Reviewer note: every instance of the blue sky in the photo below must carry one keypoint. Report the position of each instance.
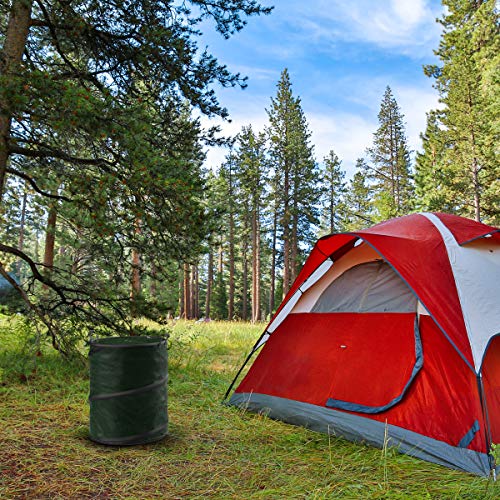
(341, 55)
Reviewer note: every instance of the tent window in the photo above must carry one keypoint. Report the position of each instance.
(367, 287)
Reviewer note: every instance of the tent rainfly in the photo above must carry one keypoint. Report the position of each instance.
(391, 335)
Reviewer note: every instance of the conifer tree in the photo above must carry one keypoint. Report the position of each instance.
(431, 175)
(334, 190)
(251, 171)
(389, 170)
(359, 201)
(295, 176)
(468, 84)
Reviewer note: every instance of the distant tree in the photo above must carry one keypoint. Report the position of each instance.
(358, 200)
(334, 190)
(389, 169)
(251, 171)
(296, 176)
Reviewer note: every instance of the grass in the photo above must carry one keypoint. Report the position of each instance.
(211, 451)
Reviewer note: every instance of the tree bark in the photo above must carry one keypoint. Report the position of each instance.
(210, 278)
(294, 237)
(286, 232)
(230, 309)
(255, 266)
(272, 287)
(10, 59)
(181, 293)
(195, 287)
(136, 285)
(187, 292)
(50, 241)
(20, 243)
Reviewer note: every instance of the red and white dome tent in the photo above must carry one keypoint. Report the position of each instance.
(392, 332)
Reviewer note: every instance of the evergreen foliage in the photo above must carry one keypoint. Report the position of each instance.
(468, 82)
(389, 170)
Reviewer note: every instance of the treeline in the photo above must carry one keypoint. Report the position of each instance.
(276, 198)
(108, 212)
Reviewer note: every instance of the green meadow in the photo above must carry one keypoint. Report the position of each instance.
(211, 451)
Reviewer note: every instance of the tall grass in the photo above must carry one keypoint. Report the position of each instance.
(212, 450)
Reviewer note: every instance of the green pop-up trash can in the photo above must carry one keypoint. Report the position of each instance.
(128, 390)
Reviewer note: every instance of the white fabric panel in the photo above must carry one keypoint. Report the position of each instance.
(316, 275)
(476, 269)
(284, 312)
(358, 255)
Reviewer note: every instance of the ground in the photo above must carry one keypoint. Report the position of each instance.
(211, 451)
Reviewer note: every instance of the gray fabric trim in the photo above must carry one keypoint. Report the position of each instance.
(419, 362)
(361, 429)
(469, 435)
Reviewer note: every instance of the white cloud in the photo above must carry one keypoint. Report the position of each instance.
(415, 103)
(404, 26)
(347, 134)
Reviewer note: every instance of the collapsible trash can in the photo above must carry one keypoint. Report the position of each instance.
(128, 390)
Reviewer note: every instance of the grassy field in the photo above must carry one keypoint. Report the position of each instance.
(211, 451)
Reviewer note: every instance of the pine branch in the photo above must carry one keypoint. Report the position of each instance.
(33, 184)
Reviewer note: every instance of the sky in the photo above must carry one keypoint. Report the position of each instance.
(341, 55)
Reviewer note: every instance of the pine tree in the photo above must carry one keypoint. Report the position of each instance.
(431, 175)
(359, 200)
(334, 190)
(106, 116)
(468, 84)
(295, 176)
(252, 165)
(389, 170)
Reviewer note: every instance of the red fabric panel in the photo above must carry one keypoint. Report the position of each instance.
(414, 246)
(491, 381)
(302, 360)
(315, 366)
(465, 229)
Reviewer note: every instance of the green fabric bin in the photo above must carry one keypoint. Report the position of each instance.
(128, 390)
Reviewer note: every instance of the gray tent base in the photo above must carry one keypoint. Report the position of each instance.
(360, 429)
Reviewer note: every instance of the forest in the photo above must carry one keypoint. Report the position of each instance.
(109, 211)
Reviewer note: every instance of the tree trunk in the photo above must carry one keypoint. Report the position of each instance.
(181, 293)
(10, 59)
(50, 241)
(135, 281)
(20, 243)
(294, 244)
(286, 233)
(272, 287)
(255, 266)
(187, 292)
(195, 288)
(210, 278)
(244, 285)
(230, 309)
(153, 286)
